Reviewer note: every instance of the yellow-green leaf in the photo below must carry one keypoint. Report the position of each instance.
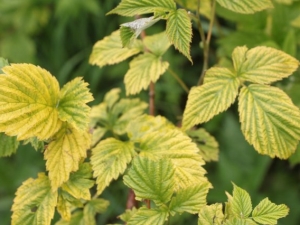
(157, 44)
(128, 214)
(8, 145)
(133, 7)
(72, 105)
(179, 31)
(94, 206)
(263, 65)
(241, 205)
(269, 120)
(3, 63)
(211, 215)
(267, 212)
(207, 144)
(28, 99)
(218, 92)
(143, 69)
(110, 51)
(236, 221)
(64, 152)
(145, 216)
(109, 159)
(34, 203)
(246, 6)
(204, 6)
(190, 199)
(66, 203)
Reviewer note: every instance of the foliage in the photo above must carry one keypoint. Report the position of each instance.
(87, 148)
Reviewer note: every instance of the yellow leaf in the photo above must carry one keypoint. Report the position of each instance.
(246, 6)
(63, 154)
(28, 100)
(269, 119)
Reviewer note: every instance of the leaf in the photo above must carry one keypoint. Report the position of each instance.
(218, 92)
(204, 7)
(179, 31)
(91, 208)
(295, 157)
(245, 6)
(8, 145)
(128, 214)
(269, 120)
(109, 159)
(241, 203)
(64, 152)
(211, 214)
(172, 144)
(145, 216)
(109, 50)
(235, 221)
(72, 104)
(132, 7)
(66, 204)
(263, 65)
(28, 99)
(144, 69)
(151, 179)
(267, 212)
(190, 199)
(207, 144)
(296, 22)
(80, 182)
(35, 143)
(3, 63)
(290, 43)
(76, 219)
(34, 203)
(157, 44)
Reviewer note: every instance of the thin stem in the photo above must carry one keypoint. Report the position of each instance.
(182, 84)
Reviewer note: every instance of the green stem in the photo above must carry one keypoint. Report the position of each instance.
(182, 84)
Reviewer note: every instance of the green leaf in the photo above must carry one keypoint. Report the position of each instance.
(204, 7)
(128, 214)
(72, 104)
(35, 143)
(172, 144)
(66, 204)
(157, 44)
(109, 159)
(290, 43)
(179, 31)
(76, 219)
(144, 69)
(64, 153)
(211, 215)
(28, 99)
(267, 212)
(236, 221)
(133, 7)
(295, 157)
(207, 144)
(218, 92)
(145, 216)
(263, 65)
(91, 208)
(269, 120)
(8, 145)
(190, 199)
(80, 182)
(245, 6)
(241, 203)
(128, 36)
(151, 179)
(3, 63)
(34, 203)
(110, 51)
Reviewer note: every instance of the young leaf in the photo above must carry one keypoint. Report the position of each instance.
(146, 216)
(190, 199)
(207, 144)
(246, 6)
(80, 182)
(72, 104)
(172, 144)
(34, 203)
(28, 100)
(133, 7)
(109, 159)
(91, 208)
(179, 31)
(218, 92)
(143, 69)
(267, 212)
(110, 50)
(64, 152)
(211, 214)
(157, 44)
(8, 145)
(263, 65)
(241, 203)
(269, 120)
(151, 179)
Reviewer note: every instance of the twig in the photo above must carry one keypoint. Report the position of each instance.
(182, 84)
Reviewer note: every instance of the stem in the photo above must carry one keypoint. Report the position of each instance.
(131, 202)
(182, 84)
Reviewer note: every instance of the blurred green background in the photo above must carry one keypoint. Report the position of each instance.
(58, 35)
